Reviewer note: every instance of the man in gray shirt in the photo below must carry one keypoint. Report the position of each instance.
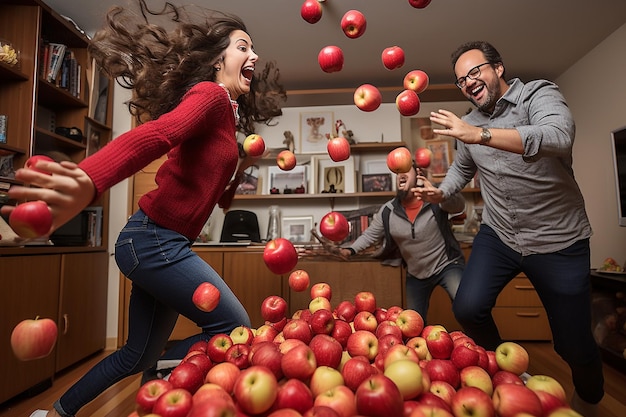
(519, 140)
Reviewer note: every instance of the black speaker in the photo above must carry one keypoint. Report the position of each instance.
(240, 225)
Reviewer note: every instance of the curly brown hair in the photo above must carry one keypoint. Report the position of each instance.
(161, 65)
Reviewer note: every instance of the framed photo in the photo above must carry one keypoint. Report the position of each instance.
(333, 177)
(375, 182)
(286, 182)
(297, 229)
(94, 137)
(441, 159)
(314, 126)
(250, 182)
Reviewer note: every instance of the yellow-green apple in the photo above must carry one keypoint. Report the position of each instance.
(311, 11)
(321, 289)
(298, 329)
(345, 356)
(419, 4)
(265, 333)
(472, 402)
(399, 160)
(299, 363)
(356, 370)
(548, 384)
(31, 219)
(319, 303)
(510, 400)
(293, 394)
(223, 374)
(242, 334)
(398, 353)
(327, 350)
(416, 80)
(419, 344)
(439, 344)
(286, 160)
(410, 322)
(463, 356)
(280, 256)
(443, 370)
(408, 103)
(255, 389)
(505, 377)
(378, 396)
(201, 360)
(345, 310)
(475, 376)
(33, 339)
(322, 322)
(176, 402)
(270, 356)
(217, 346)
(407, 375)
(206, 297)
(353, 24)
(188, 376)
(330, 59)
(365, 301)
(338, 149)
(367, 97)
(512, 357)
(362, 343)
(443, 390)
(334, 226)
(393, 57)
(364, 320)
(273, 308)
(299, 280)
(340, 399)
(423, 157)
(238, 354)
(341, 332)
(149, 392)
(324, 378)
(254, 145)
(550, 402)
(564, 412)
(31, 163)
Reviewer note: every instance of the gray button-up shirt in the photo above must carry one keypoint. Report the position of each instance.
(532, 201)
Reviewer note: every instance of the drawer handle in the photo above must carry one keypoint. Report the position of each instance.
(524, 287)
(527, 314)
(66, 324)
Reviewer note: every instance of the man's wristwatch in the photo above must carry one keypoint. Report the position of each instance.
(485, 136)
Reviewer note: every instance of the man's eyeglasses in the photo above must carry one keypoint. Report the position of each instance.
(472, 75)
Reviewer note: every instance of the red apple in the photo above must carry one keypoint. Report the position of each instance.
(393, 312)
(273, 308)
(341, 332)
(330, 59)
(238, 354)
(410, 323)
(419, 4)
(223, 374)
(443, 390)
(512, 357)
(299, 280)
(492, 365)
(254, 145)
(547, 384)
(33, 339)
(31, 220)
(286, 160)
(475, 376)
(423, 157)
(399, 160)
(382, 314)
(443, 370)
(215, 407)
(149, 392)
(188, 376)
(433, 405)
(340, 399)
(264, 333)
(345, 310)
(416, 80)
(408, 103)
(367, 97)
(217, 346)
(400, 353)
(327, 350)
(407, 375)
(176, 402)
(206, 297)
(322, 322)
(320, 411)
(419, 344)
(506, 377)
(550, 402)
(393, 57)
(472, 402)
(356, 370)
(386, 342)
(242, 334)
(321, 289)
(364, 320)
(365, 301)
(299, 363)
(311, 11)
(33, 160)
(388, 327)
(293, 394)
(463, 356)
(298, 329)
(280, 256)
(440, 344)
(334, 226)
(362, 343)
(255, 389)
(338, 149)
(378, 396)
(201, 360)
(510, 400)
(353, 24)
(270, 356)
(200, 345)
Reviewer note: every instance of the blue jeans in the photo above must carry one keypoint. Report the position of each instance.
(418, 291)
(561, 280)
(164, 272)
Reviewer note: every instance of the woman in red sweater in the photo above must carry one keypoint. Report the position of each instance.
(192, 92)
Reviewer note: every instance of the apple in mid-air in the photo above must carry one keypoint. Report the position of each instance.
(254, 145)
(399, 160)
(206, 297)
(408, 103)
(353, 24)
(367, 97)
(280, 256)
(334, 226)
(423, 157)
(419, 4)
(286, 160)
(33, 339)
(416, 80)
(311, 11)
(330, 58)
(393, 57)
(338, 149)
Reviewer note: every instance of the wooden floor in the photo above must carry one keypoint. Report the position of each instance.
(118, 401)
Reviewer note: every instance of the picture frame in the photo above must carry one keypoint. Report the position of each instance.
(315, 129)
(297, 229)
(93, 135)
(338, 174)
(376, 183)
(290, 180)
(441, 157)
(250, 182)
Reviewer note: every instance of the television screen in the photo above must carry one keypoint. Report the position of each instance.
(618, 142)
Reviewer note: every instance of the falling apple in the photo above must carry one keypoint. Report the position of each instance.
(399, 160)
(353, 24)
(33, 339)
(423, 157)
(334, 226)
(367, 97)
(254, 145)
(393, 57)
(280, 256)
(330, 59)
(206, 297)
(311, 11)
(408, 103)
(338, 149)
(286, 160)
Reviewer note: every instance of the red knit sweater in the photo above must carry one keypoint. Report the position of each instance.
(199, 138)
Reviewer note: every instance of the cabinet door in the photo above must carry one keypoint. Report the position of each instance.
(30, 288)
(346, 279)
(82, 311)
(251, 281)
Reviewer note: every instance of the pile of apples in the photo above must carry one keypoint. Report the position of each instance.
(351, 359)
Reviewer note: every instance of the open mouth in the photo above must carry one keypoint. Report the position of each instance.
(476, 90)
(248, 73)
(402, 181)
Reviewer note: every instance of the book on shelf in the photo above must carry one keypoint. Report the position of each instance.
(94, 226)
(57, 55)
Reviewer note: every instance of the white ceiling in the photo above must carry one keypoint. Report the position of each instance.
(537, 38)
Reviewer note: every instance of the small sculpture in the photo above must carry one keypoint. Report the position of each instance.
(289, 141)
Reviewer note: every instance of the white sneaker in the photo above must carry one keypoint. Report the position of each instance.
(40, 413)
